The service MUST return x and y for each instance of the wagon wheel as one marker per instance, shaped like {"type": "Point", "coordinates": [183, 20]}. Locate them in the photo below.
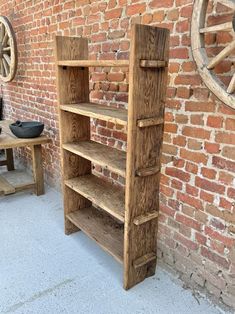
{"type": "Point", "coordinates": [206, 65]}
{"type": "Point", "coordinates": [8, 51]}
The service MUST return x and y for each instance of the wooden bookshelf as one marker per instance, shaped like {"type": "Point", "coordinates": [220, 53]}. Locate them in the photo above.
{"type": "Point", "coordinates": [123, 221]}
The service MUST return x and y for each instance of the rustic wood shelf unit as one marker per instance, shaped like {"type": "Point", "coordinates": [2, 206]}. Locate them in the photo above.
{"type": "Point", "coordinates": [123, 221]}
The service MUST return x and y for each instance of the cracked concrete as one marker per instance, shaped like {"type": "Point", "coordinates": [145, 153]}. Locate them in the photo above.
{"type": "Point", "coordinates": [44, 271]}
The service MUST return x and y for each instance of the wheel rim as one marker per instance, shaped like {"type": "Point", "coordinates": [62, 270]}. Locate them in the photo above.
{"type": "Point", "coordinates": [205, 65]}
{"type": "Point", "coordinates": [8, 51]}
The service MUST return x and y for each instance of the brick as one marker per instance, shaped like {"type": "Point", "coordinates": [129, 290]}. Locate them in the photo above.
{"type": "Point", "coordinates": [196, 132]}
{"type": "Point", "coordinates": [215, 121]}
{"type": "Point", "coordinates": [161, 4]}
{"type": "Point", "coordinates": [230, 124]}
{"type": "Point", "coordinates": [113, 14]}
{"type": "Point", "coordinates": [229, 242]}
{"type": "Point", "coordinates": [179, 53]}
{"type": "Point", "coordinates": [212, 148]}
{"type": "Point", "coordinates": [186, 242]}
{"type": "Point", "coordinates": [199, 106]}
{"type": "Point", "coordinates": [174, 172]}
{"type": "Point", "coordinates": [208, 173]}
{"type": "Point", "coordinates": [226, 138]}
{"type": "Point", "coordinates": [229, 152]}
{"type": "Point", "coordinates": [193, 156]}
{"type": "Point", "coordinates": [222, 163]}
{"type": "Point", "coordinates": [221, 261]}
{"type": "Point", "coordinates": [137, 8]}
{"type": "Point", "coordinates": [209, 185]}
{"type": "Point", "coordinates": [188, 221]}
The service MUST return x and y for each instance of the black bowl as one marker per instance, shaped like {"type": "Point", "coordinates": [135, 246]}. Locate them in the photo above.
{"type": "Point", "coordinates": [28, 129]}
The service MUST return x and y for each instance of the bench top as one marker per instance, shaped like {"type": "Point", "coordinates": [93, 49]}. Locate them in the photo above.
{"type": "Point", "coordinates": [8, 140]}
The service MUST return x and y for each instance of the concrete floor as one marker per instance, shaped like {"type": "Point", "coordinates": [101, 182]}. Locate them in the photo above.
{"type": "Point", "coordinates": [44, 271]}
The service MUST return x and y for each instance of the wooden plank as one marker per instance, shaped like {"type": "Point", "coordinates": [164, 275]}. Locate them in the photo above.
{"type": "Point", "coordinates": [147, 92]}
{"type": "Point", "coordinates": [10, 159]}
{"type": "Point", "coordinates": [3, 163]}
{"type": "Point", "coordinates": [97, 111]}
{"type": "Point", "coordinates": [153, 63]}
{"type": "Point", "coordinates": [36, 151]}
{"type": "Point", "coordinates": [145, 218]}
{"type": "Point", "coordinates": [144, 172]}
{"type": "Point", "coordinates": [100, 192]}
{"type": "Point", "coordinates": [93, 63]}
{"type": "Point", "coordinates": [72, 87]}
{"type": "Point", "coordinates": [100, 228]}
{"type": "Point", "coordinates": [23, 187]}
{"type": "Point", "coordinates": [5, 187]}
{"type": "Point", "coordinates": [145, 259]}
{"type": "Point", "coordinates": [108, 157]}
{"type": "Point", "coordinates": [143, 123]}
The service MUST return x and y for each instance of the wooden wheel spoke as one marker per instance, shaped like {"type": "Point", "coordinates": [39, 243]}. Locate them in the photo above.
{"type": "Point", "coordinates": [5, 39]}
{"type": "Point", "coordinates": [5, 66]}
{"type": "Point", "coordinates": [7, 58]}
{"type": "Point", "coordinates": [222, 55]}
{"type": "Point", "coordinates": [215, 28]}
{"type": "Point", "coordinates": [228, 3]}
{"type": "Point", "coordinates": [231, 87]}
{"type": "Point", "coordinates": [6, 49]}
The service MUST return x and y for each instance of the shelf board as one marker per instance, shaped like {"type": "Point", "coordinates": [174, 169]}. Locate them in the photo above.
{"type": "Point", "coordinates": [93, 63]}
{"type": "Point", "coordinates": [102, 193]}
{"type": "Point", "coordinates": [98, 111]}
{"type": "Point", "coordinates": [101, 228]}
{"type": "Point", "coordinates": [108, 157]}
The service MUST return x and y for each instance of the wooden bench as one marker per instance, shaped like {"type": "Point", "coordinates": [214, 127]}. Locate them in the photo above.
{"type": "Point", "coordinates": [7, 142]}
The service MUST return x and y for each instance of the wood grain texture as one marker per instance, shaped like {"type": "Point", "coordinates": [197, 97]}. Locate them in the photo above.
{"type": "Point", "coordinates": [139, 220]}
{"type": "Point", "coordinates": [94, 63]}
{"type": "Point", "coordinates": [5, 187]}
{"type": "Point", "coordinates": [10, 159]}
{"type": "Point", "coordinates": [72, 87]}
{"type": "Point", "coordinates": [100, 228]}
{"type": "Point", "coordinates": [38, 169]}
{"type": "Point", "coordinates": [100, 192]}
{"type": "Point", "coordinates": [108, 157]}
{"type": "Point", "coordinates": [98, 111]}
{"type": "Point", "coordinates": [147, 92]}
{"type": "Point", "coordinates": [153, 63]}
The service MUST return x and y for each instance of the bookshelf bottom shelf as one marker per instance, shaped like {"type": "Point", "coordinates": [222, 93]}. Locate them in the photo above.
{"type": "Point", "coordinates": [101, 228]}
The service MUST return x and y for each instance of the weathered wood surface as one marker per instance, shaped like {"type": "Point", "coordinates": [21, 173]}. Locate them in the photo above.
{"type": "Point", "coordinates": [72, 87]}
{"type": "Point", "coordinates": [5, 187]}
{"type": "Point", "coordinates": [94, 63]}
{"type": "Point", "coordinates": [147, 92]}
{"type": "Point", "coordinates": [10, 159]}
{"type": "Point", "coordinates": [98, 111]}
{"type": "Point", "coordinates": [38, 169]}
{"type": "Point", "coordinates": [100, 192]}
{"type": "Point", "coordinates": [101, 228]}
{"type": "Point", "coordinates": [8, 140]}
{"type": "Point", "coordinates": [105, 156]}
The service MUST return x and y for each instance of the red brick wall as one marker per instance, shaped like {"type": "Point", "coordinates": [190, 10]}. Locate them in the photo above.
{"type": "Point", "coordinates": [196, 228]}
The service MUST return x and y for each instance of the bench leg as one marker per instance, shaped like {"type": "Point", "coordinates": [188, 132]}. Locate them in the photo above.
{"type": "Point", "coordinates": [10, 159]}
{"type": "Point", "coordinates": [38, 169]}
